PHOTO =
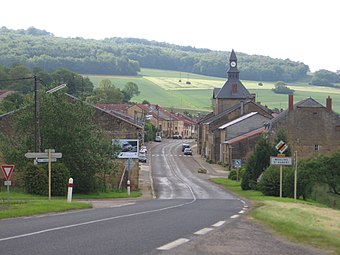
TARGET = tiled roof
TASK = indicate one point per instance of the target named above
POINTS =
(227, 91)
(305, 103)
(238, 120)
(247, 135)
(114, 107)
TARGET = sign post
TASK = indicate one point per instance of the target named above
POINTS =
(281, 160)
(7, 170)
(49, 155)
(295, 175)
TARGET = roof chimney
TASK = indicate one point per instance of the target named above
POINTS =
(329, 104)
(290, 102)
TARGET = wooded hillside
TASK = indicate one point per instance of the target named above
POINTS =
(125, 56)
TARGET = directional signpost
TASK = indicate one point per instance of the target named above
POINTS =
(48, 156)
(281, 160)
(7, 170)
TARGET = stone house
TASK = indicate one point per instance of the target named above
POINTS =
(241, 129)
(311, 128)
(211, 136)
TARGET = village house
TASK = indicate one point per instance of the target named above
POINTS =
(311, 128)
(166, 122)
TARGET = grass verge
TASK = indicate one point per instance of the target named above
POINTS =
(23, 204)
(304, 222)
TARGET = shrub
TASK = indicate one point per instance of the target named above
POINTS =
(36, 179)
(60, 175)
(232, 175)
(269, 184)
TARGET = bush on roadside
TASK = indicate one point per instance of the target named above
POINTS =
(36, 179)
(232, 175)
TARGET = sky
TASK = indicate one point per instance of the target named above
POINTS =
(300, 30)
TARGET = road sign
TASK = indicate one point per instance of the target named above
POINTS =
(45, 160)
(281, 161)
(237, 163)
(7, 183)
(281, 146)
(43, 155)
(129, 164)
(8, 170)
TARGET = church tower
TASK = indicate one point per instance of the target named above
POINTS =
(233, 91)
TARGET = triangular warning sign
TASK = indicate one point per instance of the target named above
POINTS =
(7, 169)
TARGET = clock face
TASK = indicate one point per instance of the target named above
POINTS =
(232, 63)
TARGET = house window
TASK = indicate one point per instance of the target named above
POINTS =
(316, 147)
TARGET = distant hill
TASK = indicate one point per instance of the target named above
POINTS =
(125, 56)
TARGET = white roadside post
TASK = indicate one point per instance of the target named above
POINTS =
(69, 191)
(128, 187)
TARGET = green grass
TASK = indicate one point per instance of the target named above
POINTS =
(163, 87)
(23, 204)
(29, 208)
(304, 222)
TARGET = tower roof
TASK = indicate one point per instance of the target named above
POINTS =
(233, 87)
(232, 56)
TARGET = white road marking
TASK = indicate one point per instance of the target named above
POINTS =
(93, 221)
(173, 244)
(234, 216)
(242, 211)
(218, 224)
(203, 231)
(122, 205)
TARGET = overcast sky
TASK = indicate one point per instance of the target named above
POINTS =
(301, 30)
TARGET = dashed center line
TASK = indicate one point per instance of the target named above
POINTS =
(218, 224)
(203, 231)
(173, 244)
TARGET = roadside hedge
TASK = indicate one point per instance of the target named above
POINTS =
(36, 179)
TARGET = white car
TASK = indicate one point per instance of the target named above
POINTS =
(143, 149)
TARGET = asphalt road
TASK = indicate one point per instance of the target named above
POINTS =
(187, 207)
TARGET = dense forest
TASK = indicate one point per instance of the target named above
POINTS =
(125, 56)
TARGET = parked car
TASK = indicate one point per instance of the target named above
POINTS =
(143, 149)
(176, 137)
(185, 145)
(142, 157)
(158, 139)
(187, 151)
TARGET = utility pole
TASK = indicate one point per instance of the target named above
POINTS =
(37, 139)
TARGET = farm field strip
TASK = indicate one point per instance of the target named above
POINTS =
(166, 90)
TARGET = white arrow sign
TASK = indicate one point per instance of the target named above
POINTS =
(43, 155)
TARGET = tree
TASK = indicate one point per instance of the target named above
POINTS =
(106, 93)
(11, 102)
(281, 88)
(68, 128)
(129, 91)
(257, 163)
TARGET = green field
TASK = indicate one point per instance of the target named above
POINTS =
(163, 88)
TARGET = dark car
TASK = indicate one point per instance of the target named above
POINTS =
(187, 151)
(185, 145)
